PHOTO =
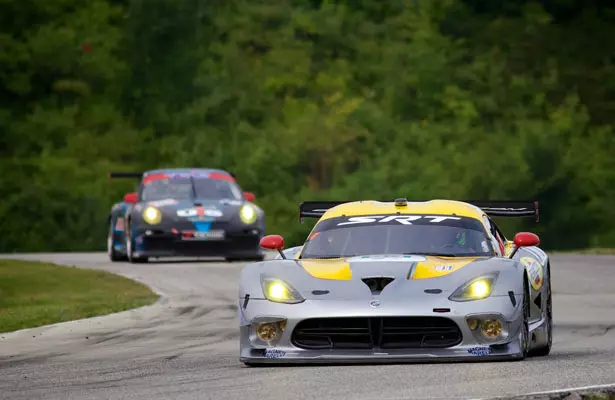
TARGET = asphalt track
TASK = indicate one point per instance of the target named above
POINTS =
(185, 347)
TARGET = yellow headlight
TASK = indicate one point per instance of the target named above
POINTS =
(247, 214)
(279, 291)
(479, 289)
(476, 289)
(492, 328)
(267, 331)
(152, 215)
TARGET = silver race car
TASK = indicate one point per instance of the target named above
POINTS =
(399, 281)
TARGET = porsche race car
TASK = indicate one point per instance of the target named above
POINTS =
(399, 281)
(185, 213)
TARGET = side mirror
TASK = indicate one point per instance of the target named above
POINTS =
(130, 198)
(273, 242)
(249, 196)
(524, 239)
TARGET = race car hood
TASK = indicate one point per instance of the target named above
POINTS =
(407, 275)
(197, 210)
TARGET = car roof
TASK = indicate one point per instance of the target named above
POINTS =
(436, 207)
(195, 171)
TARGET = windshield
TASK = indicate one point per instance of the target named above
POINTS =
(187, 187)
(397, 234)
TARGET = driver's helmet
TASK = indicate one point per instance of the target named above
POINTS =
(452, 237)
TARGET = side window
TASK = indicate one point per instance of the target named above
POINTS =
(500, 239)
(499, 236)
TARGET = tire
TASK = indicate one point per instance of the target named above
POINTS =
(114, 255)
(545, 350)
(525, 328)
(129, 247)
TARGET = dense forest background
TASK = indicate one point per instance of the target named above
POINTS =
(307, 99)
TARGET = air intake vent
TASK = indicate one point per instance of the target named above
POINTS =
(377, 284)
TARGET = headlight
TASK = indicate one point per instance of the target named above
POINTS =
(247, 213)
(476, 289)
(152, 215)
(279, 291)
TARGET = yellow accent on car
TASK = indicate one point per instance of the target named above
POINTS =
(432, 207)
(335, 269)
(436, 207)
(435, 267)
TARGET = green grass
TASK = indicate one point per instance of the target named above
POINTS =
(34, 294)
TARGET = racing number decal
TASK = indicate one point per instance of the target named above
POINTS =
(534, 270)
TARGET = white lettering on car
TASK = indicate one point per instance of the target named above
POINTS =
(360, 220)
(193, 212)
(402, 219)
(439, 218)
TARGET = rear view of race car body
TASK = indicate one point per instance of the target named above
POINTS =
(185, 213)
(390, 281)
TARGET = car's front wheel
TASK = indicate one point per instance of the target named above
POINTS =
(524, 336)
(114, 255)
(130, 247)
(546, 349)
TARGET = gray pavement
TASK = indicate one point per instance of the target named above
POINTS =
(185, 346)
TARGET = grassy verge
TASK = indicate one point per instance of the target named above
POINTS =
(34, 294)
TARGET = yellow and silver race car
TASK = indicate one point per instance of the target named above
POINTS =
(399, 280)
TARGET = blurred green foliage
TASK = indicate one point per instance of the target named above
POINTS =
(307, 99)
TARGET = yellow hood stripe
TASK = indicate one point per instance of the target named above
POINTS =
(339, 269)
(435, 267)
(336, 269)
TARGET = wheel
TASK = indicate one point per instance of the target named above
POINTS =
(525, 329)
(129, 248)
(114, 255)
(545, 350)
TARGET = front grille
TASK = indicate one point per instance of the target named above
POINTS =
(376, 333)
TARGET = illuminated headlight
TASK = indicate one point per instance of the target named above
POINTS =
(476, 289)
(247, 213)
(152, 215)
(492, 328)
(279, 291)
(488, 328)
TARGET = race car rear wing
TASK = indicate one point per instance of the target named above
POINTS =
(498, 208)
(136, 175)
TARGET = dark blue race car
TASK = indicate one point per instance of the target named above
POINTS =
(185, 213)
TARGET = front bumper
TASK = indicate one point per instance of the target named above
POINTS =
(167, 243)
(471, 346)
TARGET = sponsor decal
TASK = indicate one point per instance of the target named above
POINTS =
(119, 224)
(480, 351)
(534, 270)
(231, 202)
(274, 353)
(540, 255)
(402, 219)
(199, 212)
(398, 258)
(436, 266)
(162, 203)
(219, 234)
